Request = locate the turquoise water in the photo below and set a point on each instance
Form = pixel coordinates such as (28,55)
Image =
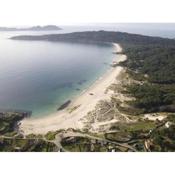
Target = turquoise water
(40,76)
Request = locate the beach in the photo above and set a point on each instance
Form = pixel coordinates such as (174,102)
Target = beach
(70,117)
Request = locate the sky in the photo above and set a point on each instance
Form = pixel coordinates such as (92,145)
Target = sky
(68,12)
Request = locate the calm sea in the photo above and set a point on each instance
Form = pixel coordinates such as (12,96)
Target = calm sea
(40,76)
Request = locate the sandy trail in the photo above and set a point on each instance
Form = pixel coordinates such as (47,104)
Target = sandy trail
(79,107)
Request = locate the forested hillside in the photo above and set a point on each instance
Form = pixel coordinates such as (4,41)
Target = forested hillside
(157,64)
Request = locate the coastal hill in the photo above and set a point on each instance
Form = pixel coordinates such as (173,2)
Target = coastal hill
(34,28)
(99,36)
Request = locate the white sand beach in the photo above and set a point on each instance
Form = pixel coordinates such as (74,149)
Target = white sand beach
(79,107)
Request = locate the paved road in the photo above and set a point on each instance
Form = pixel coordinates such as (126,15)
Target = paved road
(76,134)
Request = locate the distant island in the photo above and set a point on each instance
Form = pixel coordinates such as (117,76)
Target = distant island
(34,28)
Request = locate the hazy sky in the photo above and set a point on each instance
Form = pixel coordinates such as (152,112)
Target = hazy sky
(41,12)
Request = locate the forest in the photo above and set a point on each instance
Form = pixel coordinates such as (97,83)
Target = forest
(157,64)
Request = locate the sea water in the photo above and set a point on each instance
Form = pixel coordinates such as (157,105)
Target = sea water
(39,76)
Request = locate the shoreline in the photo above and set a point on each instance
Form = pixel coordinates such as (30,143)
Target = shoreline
(85,102)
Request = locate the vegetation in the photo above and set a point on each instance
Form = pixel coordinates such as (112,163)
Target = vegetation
(157,93)
(8,121)
(157,61)
(129,131)
(153,97)
(163,139)
(12,141)
(51,135)
(25,145)
(83,144)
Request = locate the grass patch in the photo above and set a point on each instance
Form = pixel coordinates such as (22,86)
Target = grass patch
(142,125)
